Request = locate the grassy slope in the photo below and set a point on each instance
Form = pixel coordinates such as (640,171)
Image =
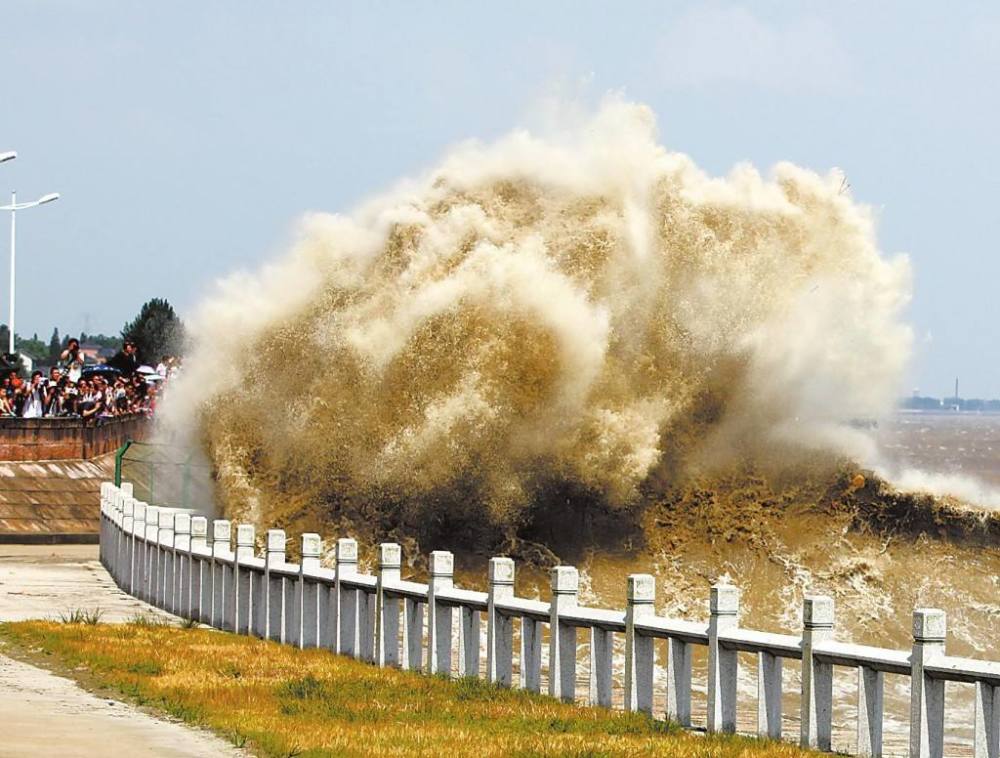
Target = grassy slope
(280,701)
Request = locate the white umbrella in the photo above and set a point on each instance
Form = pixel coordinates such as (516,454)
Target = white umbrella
(146,370)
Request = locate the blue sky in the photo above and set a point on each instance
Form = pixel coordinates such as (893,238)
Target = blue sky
(188,137)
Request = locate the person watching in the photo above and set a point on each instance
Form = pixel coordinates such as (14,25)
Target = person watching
(54,392)
(34,397)
(72,359)
(126,360)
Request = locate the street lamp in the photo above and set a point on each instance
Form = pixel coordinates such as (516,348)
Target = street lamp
(13,208)
(8,156)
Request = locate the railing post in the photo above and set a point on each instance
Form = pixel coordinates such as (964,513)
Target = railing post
(207,573)
(390,561)
(106,529)
(442,567)
(116,512)
(272,610)
(124,568)
(926,693)
(102,539)
(870,698)
(114,534)
(723,610)
(328,629)
(120,541)
(817,677)
(165,567)
(601,657)
(152,554)
(311,546)
(242,607)
(768,695)
(531,654)
(562,637)
(468,640)
(499,628)
(987,721)
(196,578)
(180,600)
(138,548)
(221,584)
(679,682)
(641,593)
(347,598)
(413,632)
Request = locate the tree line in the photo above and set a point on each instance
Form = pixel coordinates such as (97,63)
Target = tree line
(156,331)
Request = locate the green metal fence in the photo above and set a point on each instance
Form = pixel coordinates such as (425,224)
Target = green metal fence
(165,475)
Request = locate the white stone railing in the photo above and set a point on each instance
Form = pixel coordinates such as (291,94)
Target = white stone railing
(169,558)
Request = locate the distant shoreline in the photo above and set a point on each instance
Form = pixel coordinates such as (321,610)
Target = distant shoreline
(941,412)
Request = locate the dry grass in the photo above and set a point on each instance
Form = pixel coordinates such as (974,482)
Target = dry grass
(279,701)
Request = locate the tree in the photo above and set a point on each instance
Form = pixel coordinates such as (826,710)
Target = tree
(33,348)
(55,346)
(156,331)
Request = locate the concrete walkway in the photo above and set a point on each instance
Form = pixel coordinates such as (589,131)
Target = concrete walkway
(44,581)
(45,714)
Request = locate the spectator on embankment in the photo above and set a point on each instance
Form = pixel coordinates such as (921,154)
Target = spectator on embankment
(126,360)
(33,402)
(72,359)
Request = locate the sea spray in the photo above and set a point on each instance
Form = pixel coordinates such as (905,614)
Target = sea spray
(586,313)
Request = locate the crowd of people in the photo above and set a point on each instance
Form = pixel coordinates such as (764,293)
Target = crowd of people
(119,387)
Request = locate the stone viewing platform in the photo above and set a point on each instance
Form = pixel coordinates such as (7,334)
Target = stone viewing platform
(60,439)
(51,501)
(50,475)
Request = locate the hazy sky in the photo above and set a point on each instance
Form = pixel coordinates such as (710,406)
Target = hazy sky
(187,137)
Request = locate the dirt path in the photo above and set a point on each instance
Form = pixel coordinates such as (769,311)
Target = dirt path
(45,714)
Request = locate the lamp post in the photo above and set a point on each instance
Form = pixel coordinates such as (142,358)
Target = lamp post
(13,208)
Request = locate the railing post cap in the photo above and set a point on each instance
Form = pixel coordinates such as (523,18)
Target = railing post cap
(565,580)
(166,520)
(275,542)
(641,588)
(390,555)
(139,510)
(128,507)
(442,563)
(221,530)
(817,612)
(182,523)
(152,513)
(724,600)
(245,534)
(127,488)
(347,549)
(312,545)
(199,526)
(929,625)
(501,570)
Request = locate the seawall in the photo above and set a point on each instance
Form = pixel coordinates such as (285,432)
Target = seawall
(50,475)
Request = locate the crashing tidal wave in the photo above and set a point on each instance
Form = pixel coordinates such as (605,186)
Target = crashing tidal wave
(583,317)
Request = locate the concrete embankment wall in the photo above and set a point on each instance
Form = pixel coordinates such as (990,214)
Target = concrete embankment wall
(60,439)
(52,501)
(50,475)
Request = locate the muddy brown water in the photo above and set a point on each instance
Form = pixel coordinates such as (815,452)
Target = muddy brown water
(879,561)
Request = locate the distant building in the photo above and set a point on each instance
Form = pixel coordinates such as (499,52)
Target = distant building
(94,353)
